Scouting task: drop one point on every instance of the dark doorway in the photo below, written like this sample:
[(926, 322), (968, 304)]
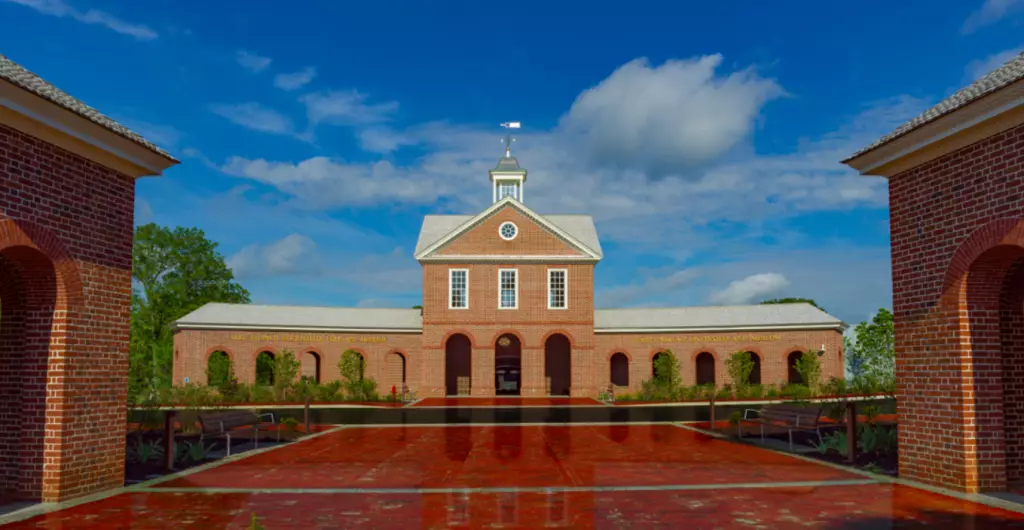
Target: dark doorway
[(558, 365), (705, 369), (218, 369), (791, 362), (458, 353), (755, 374), (620, 369), (508, 365), (311, 367)]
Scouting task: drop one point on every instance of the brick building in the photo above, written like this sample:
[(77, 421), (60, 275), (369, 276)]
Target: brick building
[(67, 194), (508, 308), (956, 195)]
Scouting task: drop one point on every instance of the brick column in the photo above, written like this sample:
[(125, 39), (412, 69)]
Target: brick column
[(482, 370), (533, 373)]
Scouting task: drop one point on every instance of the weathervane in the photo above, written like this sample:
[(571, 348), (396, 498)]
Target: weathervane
[(508, 139)]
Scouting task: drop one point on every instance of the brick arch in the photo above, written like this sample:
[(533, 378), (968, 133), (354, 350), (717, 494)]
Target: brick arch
[(1009, 231), (656, 351), (572, 341), (698, 351), (466, 332), (17, 233), (613, 351), (215, 349), (518, 335)]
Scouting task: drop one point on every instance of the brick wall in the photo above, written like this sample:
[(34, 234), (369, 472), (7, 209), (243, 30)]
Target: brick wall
[(65, 286), (772, 347), (956, 237)]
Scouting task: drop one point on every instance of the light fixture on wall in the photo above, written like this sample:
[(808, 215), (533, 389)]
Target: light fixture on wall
[(504, 341), (821, 352)]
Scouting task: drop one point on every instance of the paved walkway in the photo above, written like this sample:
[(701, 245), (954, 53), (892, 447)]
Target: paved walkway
[(592, 476)]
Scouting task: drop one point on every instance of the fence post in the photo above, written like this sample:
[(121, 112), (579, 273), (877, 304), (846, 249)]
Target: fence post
[(169, 440), (712, 411), (851, 431), (306, 415)]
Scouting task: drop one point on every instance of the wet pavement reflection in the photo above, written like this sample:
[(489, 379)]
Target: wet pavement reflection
[(618, 475)]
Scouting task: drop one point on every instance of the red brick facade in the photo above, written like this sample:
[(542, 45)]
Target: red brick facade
[(557, 348), (65, 281), (957, 229)]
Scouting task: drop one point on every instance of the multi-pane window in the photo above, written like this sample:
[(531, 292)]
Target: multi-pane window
[(458, 289), (508, 289), (508, 188), (557, 289)]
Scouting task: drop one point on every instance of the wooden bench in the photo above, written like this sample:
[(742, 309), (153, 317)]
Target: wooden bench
[(226, 423), (784, 417)]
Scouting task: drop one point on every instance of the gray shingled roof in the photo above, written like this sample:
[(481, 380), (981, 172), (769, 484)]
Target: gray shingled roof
[(1010, 72), (18, 75), (240, 316), (581, 227), (279, 317), (765, 316)]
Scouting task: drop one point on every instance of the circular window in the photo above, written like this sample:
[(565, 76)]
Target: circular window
[(508, 231)]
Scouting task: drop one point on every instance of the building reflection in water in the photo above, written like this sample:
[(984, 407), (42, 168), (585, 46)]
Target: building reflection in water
[(508, 443)]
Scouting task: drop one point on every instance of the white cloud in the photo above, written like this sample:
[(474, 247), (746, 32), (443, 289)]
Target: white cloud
[(255, 116), (295, 80), (657, 119), (989, 13), (251, 61), (751, 289), (647, 289), (346, 108), (978, 68), (165, 136), (294, 254), (383, 140), (143, 212), (59, 8)]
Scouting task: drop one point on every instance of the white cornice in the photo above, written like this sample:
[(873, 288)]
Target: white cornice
[(626, 331), (504, 257)]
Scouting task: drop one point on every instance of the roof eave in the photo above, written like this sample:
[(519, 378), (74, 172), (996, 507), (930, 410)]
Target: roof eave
[(989, 114), (271, 327), (838, 326)]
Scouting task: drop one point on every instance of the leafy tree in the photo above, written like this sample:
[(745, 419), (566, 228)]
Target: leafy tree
[(417, 307), (265, 369), (357, 386), (739, 365), (872, 354), (809, 368), (792, 301), (219, 370), (174, 272), (286, 370), (666, 370)]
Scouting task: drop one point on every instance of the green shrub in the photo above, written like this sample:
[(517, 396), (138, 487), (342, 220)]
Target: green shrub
[(290, 423), (739, 365), (286, 371), (735, 418), (144, 452), (265, 369), (809, 368)]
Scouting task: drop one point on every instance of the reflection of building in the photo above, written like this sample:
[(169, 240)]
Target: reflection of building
[(508, 307), (956, 176)]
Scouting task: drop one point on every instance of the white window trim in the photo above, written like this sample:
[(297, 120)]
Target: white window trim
[(515, 274), (451, 274), (565, 286)]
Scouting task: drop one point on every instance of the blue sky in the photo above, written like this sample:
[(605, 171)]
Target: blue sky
[(705, 139)]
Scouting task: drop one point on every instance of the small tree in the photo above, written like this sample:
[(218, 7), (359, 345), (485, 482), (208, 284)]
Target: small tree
[(666, 370), (357, 386), (740, 365), (286, 370), (809, 368), (219, 370), (265, 369)]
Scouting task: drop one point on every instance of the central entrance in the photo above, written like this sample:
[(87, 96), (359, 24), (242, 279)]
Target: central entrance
[(508, 365)]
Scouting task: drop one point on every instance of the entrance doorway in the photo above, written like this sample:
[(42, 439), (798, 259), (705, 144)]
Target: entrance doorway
[(558, 365), (458, 353), (508, 365)]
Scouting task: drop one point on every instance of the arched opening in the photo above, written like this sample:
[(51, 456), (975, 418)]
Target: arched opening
[(311, 366), (558, 365), (394, 372), (994, 309), (508, 364), (30, 293), (458, 353), (792, 359), (755, 374), (620, 370), (219, 371), (654, 363), (705, 368), (265, 368)]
